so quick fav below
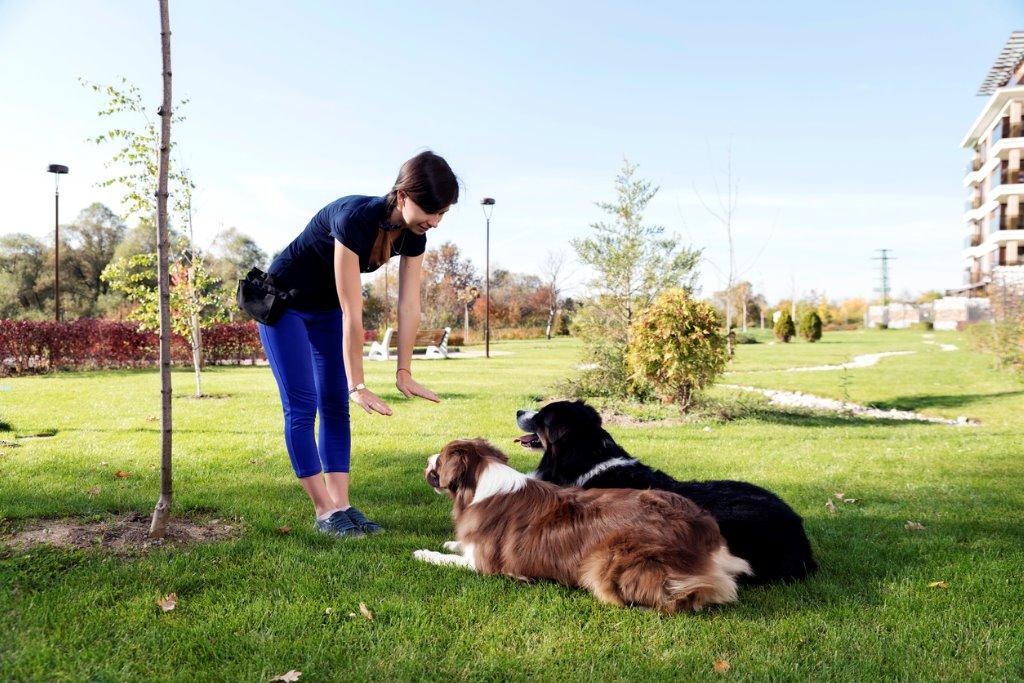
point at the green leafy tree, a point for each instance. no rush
(91, 242)
(633, 262)
(232, 254)
(195, 301)
(26, 277)
(784, 328)
(677, 346)
(810, 326)
(136, 160)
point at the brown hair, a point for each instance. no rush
(427, 180)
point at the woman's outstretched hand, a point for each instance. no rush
(370, 402)
(410, 387)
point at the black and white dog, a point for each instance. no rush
(757, 525)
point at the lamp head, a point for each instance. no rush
(57, 168)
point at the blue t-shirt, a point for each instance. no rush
(307, 264)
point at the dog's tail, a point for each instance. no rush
(716, 585)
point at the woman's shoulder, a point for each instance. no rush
(352, 214)
(360, 205)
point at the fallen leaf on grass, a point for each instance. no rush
(849, 500)
(169, 602)
(838, 495)
(151, 418)
(721, 666)
(915, 526)
(830, 506)
(351, 615)
(284, 529)
(328, 611)
(254, 461)
(289, 677)
(938, 584)
(103, 463)
(365, 611)
(121, 474)
(93, 490)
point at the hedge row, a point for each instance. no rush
(87, 343)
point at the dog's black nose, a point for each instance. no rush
(520, 413)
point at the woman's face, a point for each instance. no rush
(416, 219)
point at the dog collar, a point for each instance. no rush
(601, 467)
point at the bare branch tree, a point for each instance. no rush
(553, 272)
(725, 214)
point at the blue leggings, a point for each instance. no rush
(304, 351)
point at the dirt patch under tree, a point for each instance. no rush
(122, 534)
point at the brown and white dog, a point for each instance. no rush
(627, 546)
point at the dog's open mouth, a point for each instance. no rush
(529, 441)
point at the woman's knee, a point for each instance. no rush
(335, 410)
(300, 408)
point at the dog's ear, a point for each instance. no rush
(485, 449)
(455, 466)
(589, 413)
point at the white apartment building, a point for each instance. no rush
(994, 246)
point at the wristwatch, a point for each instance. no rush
(356, 388)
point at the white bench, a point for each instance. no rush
(435, 341)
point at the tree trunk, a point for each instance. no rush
(196, 326)
(728, 323)
(197, 354)
(162, 512)
(551, 321)
(465, 323)
(684, 396)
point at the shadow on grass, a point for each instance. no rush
(5, 426)
(861, 552)
(809, 419)
(939, 400)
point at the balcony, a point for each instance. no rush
(1008, 177)
(972, 240)
(991, 111)
(972, 204)
(1002, 130)
(972, 277)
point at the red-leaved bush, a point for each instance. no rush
(84, 344)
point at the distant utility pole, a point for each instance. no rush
(883, 289)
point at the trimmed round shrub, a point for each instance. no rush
(810, 326)
(784, 328)
(677, 346)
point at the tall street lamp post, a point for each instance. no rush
(488, 206)
(57, 170)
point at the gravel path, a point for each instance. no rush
(865, 360)
(797, 399)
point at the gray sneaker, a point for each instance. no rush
(365, 525)
(338, 524)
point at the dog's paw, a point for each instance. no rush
(452, 546)
(423, 555)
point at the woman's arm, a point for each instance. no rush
(350, 295)
(409, 273)
(410, 270)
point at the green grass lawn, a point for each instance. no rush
(254, 607)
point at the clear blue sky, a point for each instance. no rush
(844, 121)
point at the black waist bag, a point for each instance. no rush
(261, 299)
